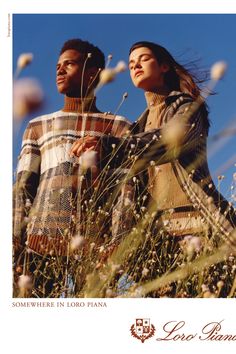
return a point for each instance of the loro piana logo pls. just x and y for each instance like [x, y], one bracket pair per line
[179, 331]
[142, 329]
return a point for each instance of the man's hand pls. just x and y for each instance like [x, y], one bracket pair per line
[88, 143]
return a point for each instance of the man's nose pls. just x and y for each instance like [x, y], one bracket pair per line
[61, 70]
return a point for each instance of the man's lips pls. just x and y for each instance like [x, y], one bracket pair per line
[60, 80]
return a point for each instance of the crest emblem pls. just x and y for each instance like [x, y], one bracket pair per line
[142, 329]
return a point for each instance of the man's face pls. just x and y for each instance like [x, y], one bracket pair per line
[146, 73]
[69, 73]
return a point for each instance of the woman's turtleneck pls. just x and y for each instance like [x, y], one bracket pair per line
[156, 106]
[80, 105]
[163, 185]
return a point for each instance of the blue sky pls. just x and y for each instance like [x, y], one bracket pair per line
[208, 38]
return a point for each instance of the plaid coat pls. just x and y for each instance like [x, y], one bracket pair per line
[189, 160]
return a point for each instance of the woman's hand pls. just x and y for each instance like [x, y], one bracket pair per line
[87, 143]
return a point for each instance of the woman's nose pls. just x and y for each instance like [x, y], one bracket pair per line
[137, 64]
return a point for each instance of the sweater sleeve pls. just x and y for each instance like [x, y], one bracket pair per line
[25, 187]
[179, 136]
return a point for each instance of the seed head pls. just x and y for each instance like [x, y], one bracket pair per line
[24, 59]
[218, 70]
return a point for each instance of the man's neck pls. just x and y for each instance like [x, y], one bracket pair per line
[80, 105]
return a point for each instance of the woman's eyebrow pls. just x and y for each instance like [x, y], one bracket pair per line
[139, 57]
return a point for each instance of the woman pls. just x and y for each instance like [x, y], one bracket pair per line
[172, 132]
[168, 143]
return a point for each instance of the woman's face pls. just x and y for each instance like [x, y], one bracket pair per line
[145, 71]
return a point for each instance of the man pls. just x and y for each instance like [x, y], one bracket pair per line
[56, 195]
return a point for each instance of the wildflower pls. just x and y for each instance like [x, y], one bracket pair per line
[208, 294]
[92, 245]
[88, 159]
[101, 249]
[106, 76]
[193, 244]
[145, 272]
[19, 269]
[205, 287]
[210, 200]
[154, 137]
[220, 284]
[115, 267]
[77, 242]
[110, 293]
[221, 177]
[137, 292]
[218, 70]
[89, 55]
[25, 282]
[109, 58]
[120, 67]
[173, 133]
[98, 265]
[125, 95]
[234, 176]
[127, 202]
[27, 97]
[24, 60]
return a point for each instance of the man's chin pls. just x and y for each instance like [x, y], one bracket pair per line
[61, 90]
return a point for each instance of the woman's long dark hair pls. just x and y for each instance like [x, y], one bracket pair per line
[177, 78]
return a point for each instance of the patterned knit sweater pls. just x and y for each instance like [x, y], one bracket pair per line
[51, 193]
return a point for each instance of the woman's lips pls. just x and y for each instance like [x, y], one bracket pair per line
[138, 73]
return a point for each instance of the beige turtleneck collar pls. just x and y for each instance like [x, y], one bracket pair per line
[154, 99]
[77, 104]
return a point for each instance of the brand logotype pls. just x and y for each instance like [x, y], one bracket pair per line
[178, 331]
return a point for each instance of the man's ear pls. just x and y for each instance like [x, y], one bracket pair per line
[92, 72]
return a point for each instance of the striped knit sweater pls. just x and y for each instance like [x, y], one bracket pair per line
[51, 195]
[188, 161]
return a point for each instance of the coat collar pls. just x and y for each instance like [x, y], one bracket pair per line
[139, 125]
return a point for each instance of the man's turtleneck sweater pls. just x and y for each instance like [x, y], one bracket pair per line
[163, 185]
[80, 105]
[48, 188]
